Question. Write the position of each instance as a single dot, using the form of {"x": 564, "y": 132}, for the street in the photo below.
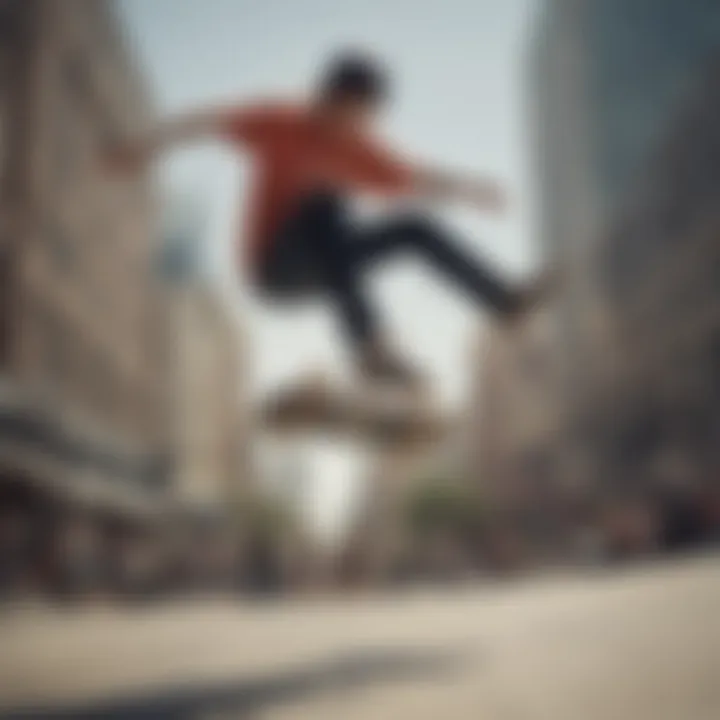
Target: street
{"x": 632, "y": 644}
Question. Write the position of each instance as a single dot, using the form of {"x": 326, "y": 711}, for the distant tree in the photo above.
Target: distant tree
{"x": 441, "y": 506}
{"x": 266, "y": 516}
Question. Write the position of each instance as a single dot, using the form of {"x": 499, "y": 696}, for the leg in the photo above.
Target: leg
{"x": 320, "y": 231}
{"x": 421, "y": 236}
{"x": 319, "y": 237}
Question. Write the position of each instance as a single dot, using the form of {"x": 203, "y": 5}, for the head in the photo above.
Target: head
{"x": 352, "y": 90}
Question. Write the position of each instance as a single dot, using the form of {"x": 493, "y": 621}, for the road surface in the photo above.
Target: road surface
{"x": 640, "y": 644}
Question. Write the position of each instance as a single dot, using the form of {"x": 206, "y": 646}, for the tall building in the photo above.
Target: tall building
{"x": 83, "y": 333}
{"x": 210, "y": 411}
{"x": 626, "y": 114}
{"x": 211, "y": 432}
{"x": 660, "y": 268}
{"x": 611, "y": 81}
{"x": 516, "y": 420}
{"x": 16, "y": 66}
{"x": 608, "y": 80}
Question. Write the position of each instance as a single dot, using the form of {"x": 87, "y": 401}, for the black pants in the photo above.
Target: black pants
{"x": 319, "y": 250}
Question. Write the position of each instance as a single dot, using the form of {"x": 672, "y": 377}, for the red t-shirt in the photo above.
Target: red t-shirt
{"x": 294, "y": 153}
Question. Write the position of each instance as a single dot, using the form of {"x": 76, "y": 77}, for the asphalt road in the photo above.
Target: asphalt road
{"x": 639, "y": 644}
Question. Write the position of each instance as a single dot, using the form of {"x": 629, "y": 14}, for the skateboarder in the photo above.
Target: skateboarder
{"x": 310, "y": 158}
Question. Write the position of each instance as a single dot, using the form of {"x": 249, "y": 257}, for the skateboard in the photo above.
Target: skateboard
{"x": 370, "y": 410}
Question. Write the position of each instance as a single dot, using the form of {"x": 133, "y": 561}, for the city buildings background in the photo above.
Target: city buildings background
{"x": 624, "y": 111}
{"x": 150, "y": 509}
{"x": 134, "y": 360}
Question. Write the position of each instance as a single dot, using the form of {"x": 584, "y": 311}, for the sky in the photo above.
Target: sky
{"x": 458, "y": 73}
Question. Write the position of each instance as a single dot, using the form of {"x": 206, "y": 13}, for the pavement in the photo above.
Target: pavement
{"x": 640, "y": 643}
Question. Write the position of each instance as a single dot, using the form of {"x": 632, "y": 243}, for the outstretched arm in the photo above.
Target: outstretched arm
{"x": 384, "y": 170}
{"x": 481, "y": 192}
{"x": 177, "y": 131}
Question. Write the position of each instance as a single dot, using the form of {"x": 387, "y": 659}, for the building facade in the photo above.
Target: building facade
{"x": 83, "y": 331}
{"x": 211, "y": 425}
{"x": 608, "y": 81}
{"x": 516, "y": 462}
{"x": 624, "y": 111}
{"x": 660, "y": 270}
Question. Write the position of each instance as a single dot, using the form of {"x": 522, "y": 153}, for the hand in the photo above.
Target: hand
{"x": 489, "y": 196}
{"x": 125, "y": 158}
{"x": 484, "y": 194}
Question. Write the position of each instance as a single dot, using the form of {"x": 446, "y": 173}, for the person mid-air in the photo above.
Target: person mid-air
{"x": 309, "y": 160}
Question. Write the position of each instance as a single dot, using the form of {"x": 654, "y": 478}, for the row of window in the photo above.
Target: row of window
{"x": 684, "y": 192}
{"x": 648, "y": 55}
{"x": 83, "y": 126}
{"x": 101, "y": 224}
{"x": 693, "y": 297}
{"x": 42, "y": 434}
{"x": 73, "y": 368}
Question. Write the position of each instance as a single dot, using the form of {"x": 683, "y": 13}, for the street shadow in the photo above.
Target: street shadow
{"x": 242, "y": 698}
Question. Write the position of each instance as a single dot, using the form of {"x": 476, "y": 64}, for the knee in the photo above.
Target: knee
{"x": 415, "y": 229}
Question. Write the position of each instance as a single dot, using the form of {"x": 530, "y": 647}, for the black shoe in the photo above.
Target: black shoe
{"x": 533, "y": 295}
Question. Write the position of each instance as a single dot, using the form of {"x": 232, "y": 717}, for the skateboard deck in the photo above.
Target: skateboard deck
{"x": 373, "y": 411}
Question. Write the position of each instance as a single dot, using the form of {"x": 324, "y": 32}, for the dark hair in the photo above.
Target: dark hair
{"x": 355, "y": 75}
